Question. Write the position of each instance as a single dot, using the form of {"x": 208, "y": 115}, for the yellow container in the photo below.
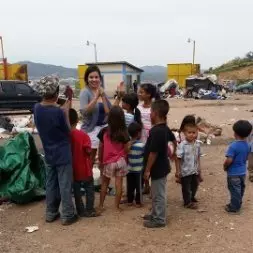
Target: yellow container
{"x": 1, "y": 72}
{"x": 81, "y": 71}
{"x": 181, "y": 71}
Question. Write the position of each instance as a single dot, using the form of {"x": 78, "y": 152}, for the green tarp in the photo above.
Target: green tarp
{"x": 22, "y": 170}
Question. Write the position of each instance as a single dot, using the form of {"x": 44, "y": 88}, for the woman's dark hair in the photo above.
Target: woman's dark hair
{"x": 187, "y": 120}
{"x": 117, "y": 125}
{"x": 133, "y": 101}
{"x": 151, "y": 89}
{"x": 90, "y": 69}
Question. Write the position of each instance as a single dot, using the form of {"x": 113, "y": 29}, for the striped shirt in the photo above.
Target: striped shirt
{"x": 129, "y": 118}
{"x": 135, "y": 157}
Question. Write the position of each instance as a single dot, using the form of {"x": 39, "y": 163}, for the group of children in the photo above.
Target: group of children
{"x": 133, "y": 145}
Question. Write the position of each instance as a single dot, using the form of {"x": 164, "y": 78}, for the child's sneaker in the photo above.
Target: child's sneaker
{"x": 153, "y": 224}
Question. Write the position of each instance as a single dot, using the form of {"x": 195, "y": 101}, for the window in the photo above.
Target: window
{"x": 7, "y": 88}
{"x": 22, "y": 88}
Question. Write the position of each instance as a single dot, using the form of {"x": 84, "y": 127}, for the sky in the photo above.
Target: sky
{"x": 142, "y": 32}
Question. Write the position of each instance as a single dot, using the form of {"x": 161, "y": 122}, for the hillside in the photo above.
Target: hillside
{"x": 241, "y": 74}
{"x": 36, "y": 70}
{"x": 240, "y": 68}
{"x": 154, "y": 73}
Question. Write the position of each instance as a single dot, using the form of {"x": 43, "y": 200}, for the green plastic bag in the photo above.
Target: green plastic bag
{"x": 22, "y": 170}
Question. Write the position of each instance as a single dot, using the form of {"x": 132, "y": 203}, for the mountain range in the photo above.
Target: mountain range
{"x": 36, "y": 70}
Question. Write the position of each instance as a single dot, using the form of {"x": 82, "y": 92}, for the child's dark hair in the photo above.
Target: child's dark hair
{"x": 117, "y": 125}
{"x": 242, "y": 128}
{"x": 161, "y": 107}
{"x": 134, "y": 129}
{"x": 133, "y": 101}
{"x": 150, "y": 89}
{"x": 90, "y": 69}
{"x": 73, "y": 117}
{"x": 189, "y": 125}
{"x": 188, "y": 119}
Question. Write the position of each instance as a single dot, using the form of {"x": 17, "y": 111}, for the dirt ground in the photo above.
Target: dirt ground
{"x": 209, "y": 230}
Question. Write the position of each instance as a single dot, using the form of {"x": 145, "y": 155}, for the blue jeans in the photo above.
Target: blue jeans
{"x": 159, "y": 200}
{"x": 59, "y": 190}
{"x": 89, "y": 193}
{"x": 236, "y": 187}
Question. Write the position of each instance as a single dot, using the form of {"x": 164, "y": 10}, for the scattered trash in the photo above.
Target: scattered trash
{"x": 31, "y": 229}
{"x": 16, "y": 124}
{"x": 208, "y": 236}
{"x": 231, "y": 228}
{"x": 1, "y": 210}
{"x": 188, "y": 235}
{"x": 203, "y": 155}
{"x": 202, "y": 210}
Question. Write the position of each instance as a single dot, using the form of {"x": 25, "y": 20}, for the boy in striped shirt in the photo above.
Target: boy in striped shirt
{"x": 135, "y": 165}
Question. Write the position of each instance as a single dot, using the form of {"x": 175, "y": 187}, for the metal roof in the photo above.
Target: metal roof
{"x": 116, "y": 62}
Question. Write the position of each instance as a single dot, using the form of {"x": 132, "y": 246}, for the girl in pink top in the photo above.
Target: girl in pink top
{"x": 113, "y": 148}
{"x": 146, "y": 93}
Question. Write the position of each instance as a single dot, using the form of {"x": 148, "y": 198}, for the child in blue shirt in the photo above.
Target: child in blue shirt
{"x": 54, "y": 131}
{"x": 235, "y": 164}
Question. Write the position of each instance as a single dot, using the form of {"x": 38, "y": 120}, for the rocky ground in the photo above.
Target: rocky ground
{"x": 209, "y": 229}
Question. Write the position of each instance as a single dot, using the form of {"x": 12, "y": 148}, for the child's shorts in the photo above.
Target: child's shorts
{"x": 117, "y": 169}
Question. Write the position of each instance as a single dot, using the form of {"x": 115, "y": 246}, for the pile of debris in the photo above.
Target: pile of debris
{"x": 204, "y": 87}
{"x": 12, "y": 125}
{"x": 207, "y": 131}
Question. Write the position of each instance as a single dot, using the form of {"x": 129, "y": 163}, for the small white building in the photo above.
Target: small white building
{"x": 115, "y": 72}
